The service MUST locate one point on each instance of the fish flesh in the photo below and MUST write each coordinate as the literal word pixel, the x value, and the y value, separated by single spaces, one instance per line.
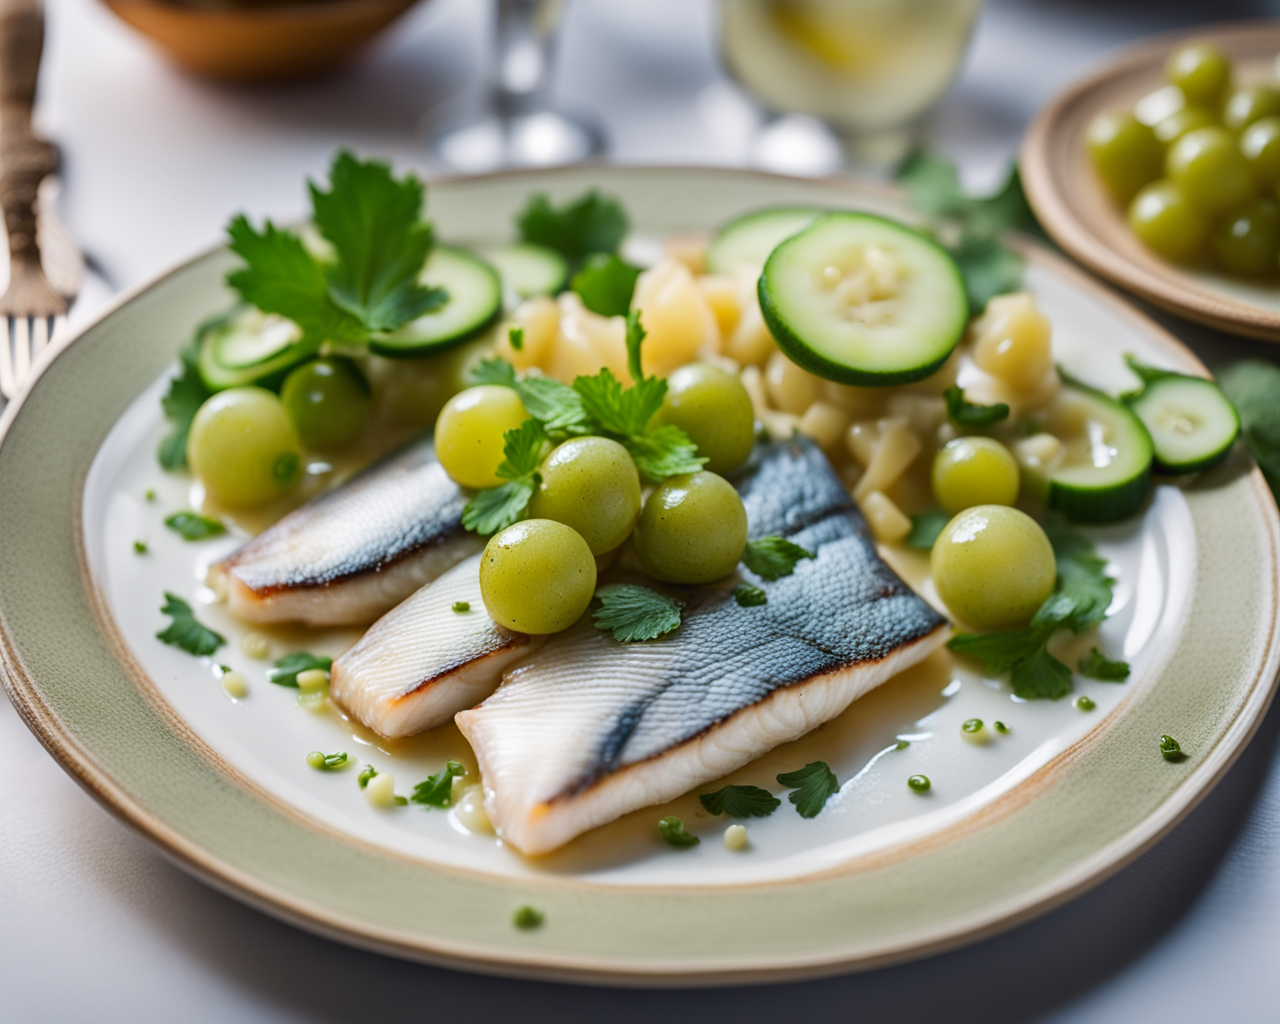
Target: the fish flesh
pixel 422 661
pixel 589 729
pixel 351 554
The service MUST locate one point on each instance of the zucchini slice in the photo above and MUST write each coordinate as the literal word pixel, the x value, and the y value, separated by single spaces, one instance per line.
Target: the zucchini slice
pixel 1106 469
pixel 748 240
pixel 862 300
pixel 1191 422
pixel 529 269
pixel 249 347
pixel 473 306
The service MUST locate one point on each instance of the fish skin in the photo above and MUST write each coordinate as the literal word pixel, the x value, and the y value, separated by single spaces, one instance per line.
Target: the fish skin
pixel 590 729
pixel 355 552
pixel 422 662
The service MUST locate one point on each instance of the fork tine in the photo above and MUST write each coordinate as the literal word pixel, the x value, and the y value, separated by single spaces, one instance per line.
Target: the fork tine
pixel 41 327
pixel 21 349
pixel 8 386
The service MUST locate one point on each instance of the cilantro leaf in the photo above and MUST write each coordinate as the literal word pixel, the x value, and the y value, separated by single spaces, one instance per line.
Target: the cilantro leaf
pixel 592 223
pixel 741 802
pixel 191 526
pixel 605 283
pixel 181 402
pixel 1081 577
pixel 633 613
pixel 925 529
pixel 1096 665
pixel 813 786
pixel 999 652
pixel 184 631
pixel 771 558
pixel 1040 677
pixel 666 451
pixel 523 447
pixel 967 414
pixel 672 830
pixel 557 405
pixel 497 508
pixel 286 669
pixel 748 596
pixel 437 791
pixel 1253 386
pixel 619 410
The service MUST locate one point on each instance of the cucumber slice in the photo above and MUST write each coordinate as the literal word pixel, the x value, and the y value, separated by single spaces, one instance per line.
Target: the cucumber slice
pixel 1191 422
pixel 529 269
pixel 1106 471
pixel 249 347
pixel 473 306
pixel 862 300
pixel 748 240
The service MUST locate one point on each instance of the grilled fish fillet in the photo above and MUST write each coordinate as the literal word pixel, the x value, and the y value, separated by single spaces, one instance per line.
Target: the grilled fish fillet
pixel 354 552
pixel 589 729
pixel 422 661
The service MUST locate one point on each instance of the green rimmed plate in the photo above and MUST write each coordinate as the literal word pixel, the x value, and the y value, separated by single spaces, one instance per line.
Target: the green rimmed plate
pixel 1008 831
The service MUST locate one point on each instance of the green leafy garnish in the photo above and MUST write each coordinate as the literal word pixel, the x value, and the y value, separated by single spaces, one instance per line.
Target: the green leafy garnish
pixel 925 530
pixel 437 791
pixel 461 606
pixel 1171 749
pixel 497 508
pixel 285 671
pixel 590 224
pixel 184 631
pixel 741 802
pixel 813 786
pixel 1254 389
pixel 634 613
pixel 321 761
pixel 140 547
pixel 605 284
pixel 1096 665
pixel 988 268
pixel 192 526
pixel 902 745
pixel 771 558
pixel 366 775
pixel 748 596
pixel 180 404
pixel 527 917
pixel 672 830
pixel 967 414
pixel 515 337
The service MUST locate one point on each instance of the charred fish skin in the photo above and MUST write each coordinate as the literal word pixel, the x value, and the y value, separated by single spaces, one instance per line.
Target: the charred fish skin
pixel 355 552
pixel 591 729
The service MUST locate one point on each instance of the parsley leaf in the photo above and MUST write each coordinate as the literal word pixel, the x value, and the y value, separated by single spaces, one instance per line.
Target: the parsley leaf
pixel 184 631
pixel 741 802
pixel 1081 577
pixel 494 371
pixel 286 669
pixel 557 405
pixel 180 404
pixel 999 652
pixel 925 529
pixel 967 414
pixel 1040 677
pixel 771 558
pixel 813 786
pixel 672 830
pixel 748 596
pixel 619 410
pixel 592 223
pixel 666 451
pixel 437 791
pixel 605 283
pixel 1253 387
pixel 633 613
pixel 523 447
pixel 497 508
pixel 1097 665
pixel 191 526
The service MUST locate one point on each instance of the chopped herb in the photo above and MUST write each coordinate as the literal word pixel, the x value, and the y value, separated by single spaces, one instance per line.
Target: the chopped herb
pixel 919 783
pixel 1000 727
pixel 972 726
pixel 192 526
pixel 437 791
pixel 634 613
pixel 285 671
pixel 516 337
pixel 180 404
pixel 461 606
pixel 605 284
pixel 925 530
pixel 590 224
pixel 140 547
pixel 497 508
pixel 966 414
pixel 366 775
pixel 901 745
pixel 748 596
pixel 1085 703
pixel 184 631
pixel 672 830
pixel 814 785
pixel 149 494
pixel 1096 665
pixel 526 918
pixel 318 759
pixel 1171 749
pixel 741 802
pixel 1253 387
pixel 771 558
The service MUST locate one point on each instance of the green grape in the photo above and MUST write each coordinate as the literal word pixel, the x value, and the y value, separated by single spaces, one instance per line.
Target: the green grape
pixel 469 433
pixel 974 471
pixel 692 529
pixel 243 447
pixel 1166 222
pixel 1125 153
pixel 714 409
pixel 537 576
pixel 1260 144
pixel 1247 240
pixel 1209 167
pixel 993 567
pixel 1250 104
pixel 1201 71
pixel 328 400
pixel 590 484
pixel 1177 124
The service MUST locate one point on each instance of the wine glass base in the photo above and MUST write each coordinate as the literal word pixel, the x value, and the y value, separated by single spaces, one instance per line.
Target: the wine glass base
pixel 805 146
pixel 542 139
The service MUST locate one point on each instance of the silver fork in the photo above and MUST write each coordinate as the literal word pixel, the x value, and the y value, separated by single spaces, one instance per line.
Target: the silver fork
pixel 32 312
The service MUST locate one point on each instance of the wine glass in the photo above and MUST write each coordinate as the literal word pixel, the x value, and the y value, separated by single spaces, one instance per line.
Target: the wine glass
pixel 520 128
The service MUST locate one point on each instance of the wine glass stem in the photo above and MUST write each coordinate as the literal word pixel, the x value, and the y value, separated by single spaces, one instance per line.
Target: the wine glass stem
pixel 525 39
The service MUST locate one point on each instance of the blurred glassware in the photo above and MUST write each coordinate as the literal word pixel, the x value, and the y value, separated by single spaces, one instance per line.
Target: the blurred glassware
pixel 520 128
pixel 869 69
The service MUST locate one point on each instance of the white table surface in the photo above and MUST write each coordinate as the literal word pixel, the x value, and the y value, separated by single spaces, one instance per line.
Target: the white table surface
pixel 95 925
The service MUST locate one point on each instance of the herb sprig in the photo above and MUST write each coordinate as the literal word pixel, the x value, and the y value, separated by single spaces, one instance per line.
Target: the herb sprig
pixel 184 631
pixel 634 613
pixel 437 791
pixel 813 785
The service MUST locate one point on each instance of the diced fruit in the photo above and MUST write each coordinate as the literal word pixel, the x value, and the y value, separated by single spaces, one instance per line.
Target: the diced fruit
pixel 591 485
pixel 469 433
pixel 537 576
pixel 714 409
pixel 1012 341
pixel 243 447
pixel 692 529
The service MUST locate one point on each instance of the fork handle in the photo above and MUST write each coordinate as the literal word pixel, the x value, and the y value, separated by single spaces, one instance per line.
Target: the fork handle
pixel 21 43
pixel 25 159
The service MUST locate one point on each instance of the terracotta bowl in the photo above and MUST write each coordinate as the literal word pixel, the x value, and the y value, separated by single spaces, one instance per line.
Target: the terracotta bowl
pixel 260 44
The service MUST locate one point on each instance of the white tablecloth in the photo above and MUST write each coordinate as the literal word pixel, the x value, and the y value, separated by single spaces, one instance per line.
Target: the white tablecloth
pixel 95 925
